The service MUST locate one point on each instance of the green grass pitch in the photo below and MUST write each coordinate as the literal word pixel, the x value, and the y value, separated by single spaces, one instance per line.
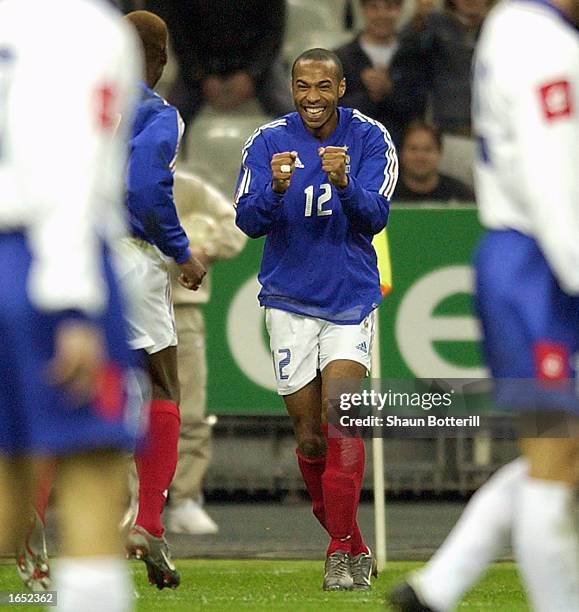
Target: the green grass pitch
pixel 249 584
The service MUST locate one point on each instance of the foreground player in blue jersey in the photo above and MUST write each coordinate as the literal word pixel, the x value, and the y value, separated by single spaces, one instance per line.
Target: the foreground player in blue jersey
pixel 65 364
pixel 526 119
pixel 317 183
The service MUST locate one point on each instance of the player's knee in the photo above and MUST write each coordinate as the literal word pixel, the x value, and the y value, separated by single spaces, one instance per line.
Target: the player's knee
pixel 165 389
pixel 312 446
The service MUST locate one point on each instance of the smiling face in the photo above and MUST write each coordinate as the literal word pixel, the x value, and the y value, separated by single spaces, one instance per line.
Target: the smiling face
pixel 316 88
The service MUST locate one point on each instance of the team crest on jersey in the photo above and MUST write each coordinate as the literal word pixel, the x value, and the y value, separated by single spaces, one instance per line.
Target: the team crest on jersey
pixel 105 103
pixel 556 100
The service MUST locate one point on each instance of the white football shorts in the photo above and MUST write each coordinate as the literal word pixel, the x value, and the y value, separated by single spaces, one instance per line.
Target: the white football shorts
pixel 144 275
pixel 301 346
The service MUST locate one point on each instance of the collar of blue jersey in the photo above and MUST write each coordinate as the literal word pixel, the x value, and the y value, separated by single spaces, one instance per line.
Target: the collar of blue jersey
pixel 556 10
pixel 331 140
pixel 146 89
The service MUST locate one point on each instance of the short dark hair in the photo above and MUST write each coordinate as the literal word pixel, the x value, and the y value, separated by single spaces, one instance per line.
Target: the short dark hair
pixel 418 125
pixel 320 55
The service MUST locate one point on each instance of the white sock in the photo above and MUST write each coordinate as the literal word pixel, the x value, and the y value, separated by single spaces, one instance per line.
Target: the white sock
pixel 546 544
pixel 93 584
pixel 475 541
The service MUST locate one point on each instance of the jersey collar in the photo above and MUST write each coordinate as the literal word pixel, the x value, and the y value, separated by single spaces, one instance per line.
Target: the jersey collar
pixel 334 138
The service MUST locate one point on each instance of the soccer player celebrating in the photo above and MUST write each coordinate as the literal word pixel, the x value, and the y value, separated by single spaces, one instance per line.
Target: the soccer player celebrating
pixel 156 235
pixel 317 183
pixel 526 118
pixel 68 68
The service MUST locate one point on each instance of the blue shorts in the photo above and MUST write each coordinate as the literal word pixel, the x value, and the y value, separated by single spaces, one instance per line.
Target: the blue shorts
pixel 37 417
pixel 530 325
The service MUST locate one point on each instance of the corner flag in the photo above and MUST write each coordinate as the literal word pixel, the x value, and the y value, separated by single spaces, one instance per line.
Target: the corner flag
pixel 382 249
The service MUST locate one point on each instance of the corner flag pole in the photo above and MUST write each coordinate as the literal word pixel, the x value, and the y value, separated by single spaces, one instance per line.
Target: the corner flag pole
pixel 381 246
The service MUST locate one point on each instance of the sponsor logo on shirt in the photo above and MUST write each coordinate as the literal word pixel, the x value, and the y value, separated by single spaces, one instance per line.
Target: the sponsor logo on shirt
pixel 556 100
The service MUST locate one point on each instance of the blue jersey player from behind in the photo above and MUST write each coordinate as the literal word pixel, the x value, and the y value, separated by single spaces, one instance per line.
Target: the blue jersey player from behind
pixel 317 184
pixel 66 372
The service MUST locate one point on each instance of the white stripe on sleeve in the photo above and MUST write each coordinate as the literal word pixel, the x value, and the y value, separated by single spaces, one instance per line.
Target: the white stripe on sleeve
pixel 391 167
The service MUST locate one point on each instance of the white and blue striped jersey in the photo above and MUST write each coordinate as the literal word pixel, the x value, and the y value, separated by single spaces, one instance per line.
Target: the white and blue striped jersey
pixel 68 70
pixel 526 119
pixel 318 258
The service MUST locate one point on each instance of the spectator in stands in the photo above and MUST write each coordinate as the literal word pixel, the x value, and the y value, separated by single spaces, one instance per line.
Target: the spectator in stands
pixel 420 179
pixel 366 62
pixel 209 219
pixel 433 60
pixel 228 53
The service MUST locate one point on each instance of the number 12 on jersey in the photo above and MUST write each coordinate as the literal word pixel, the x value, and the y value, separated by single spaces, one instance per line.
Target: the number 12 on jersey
pixel 325 196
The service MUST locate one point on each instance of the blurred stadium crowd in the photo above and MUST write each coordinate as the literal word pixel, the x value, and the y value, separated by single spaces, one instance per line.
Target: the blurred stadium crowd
pixel 404 60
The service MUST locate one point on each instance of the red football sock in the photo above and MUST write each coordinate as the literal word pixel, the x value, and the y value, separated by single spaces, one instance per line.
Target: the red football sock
pixel 156 464
pixel 358 544
pixel 312 469
pixel 341 484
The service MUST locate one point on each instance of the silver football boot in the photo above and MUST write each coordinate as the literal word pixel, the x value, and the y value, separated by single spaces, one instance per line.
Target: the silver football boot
pixel 337 574
pixel 363 567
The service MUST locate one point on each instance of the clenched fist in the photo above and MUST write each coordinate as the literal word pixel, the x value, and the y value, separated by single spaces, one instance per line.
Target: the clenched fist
pixel 282 168
pixel 192 273
pixel 334 163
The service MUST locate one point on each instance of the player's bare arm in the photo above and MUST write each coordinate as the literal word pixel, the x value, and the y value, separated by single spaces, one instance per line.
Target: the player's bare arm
pixel 334 163
pixel 192 273
pixel 282 168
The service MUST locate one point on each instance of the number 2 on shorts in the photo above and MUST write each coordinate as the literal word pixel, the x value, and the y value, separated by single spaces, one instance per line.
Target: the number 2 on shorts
pixel 284 362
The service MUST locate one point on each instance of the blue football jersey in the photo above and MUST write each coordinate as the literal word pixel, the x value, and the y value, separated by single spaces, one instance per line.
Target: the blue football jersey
pixel 318 258
pixel 153 148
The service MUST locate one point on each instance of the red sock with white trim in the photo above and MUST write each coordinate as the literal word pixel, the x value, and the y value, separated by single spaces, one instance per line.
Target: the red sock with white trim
pixel 156 464
pixel 312 470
